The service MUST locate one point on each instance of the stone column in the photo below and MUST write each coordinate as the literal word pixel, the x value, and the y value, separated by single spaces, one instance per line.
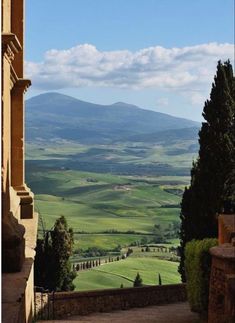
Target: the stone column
pixel 17 28
pixel 13 242
pixel 17 149
pixel 17 116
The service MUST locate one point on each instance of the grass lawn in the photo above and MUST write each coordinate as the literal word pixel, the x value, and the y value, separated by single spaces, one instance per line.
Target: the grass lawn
pixel 113 274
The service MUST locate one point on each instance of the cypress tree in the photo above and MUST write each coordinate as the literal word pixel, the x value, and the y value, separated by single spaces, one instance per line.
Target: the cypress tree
pixel 53 269
pixel 211 174
pixel 159 279
pixel 62 244
pixel 138 282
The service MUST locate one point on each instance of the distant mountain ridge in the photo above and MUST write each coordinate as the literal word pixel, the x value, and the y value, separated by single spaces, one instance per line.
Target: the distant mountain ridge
pixel 53 116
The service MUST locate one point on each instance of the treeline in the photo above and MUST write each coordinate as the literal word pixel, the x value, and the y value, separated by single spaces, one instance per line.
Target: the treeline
pixel 83 265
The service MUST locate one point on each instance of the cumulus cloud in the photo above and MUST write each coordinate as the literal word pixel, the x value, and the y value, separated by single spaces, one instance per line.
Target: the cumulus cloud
pixel 154 67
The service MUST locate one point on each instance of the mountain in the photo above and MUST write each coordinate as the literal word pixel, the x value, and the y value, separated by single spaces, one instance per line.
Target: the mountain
pixel 167 137
pixel 54 116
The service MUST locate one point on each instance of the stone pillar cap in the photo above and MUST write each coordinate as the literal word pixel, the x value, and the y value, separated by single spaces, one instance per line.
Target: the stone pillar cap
pixel 225 251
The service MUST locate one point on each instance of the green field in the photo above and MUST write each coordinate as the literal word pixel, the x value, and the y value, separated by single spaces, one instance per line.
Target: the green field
pixel 110 203
pixel 112 275
pixel 111 196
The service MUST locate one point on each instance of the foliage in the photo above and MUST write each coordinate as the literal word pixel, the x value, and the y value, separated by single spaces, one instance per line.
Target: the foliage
pixel 138 282
pixel 159 279
pixel 197 267
pixel 118 248
pixel 94 252
pixel 159 235
pixel 129 252
pixel 53 269
pixel 211 173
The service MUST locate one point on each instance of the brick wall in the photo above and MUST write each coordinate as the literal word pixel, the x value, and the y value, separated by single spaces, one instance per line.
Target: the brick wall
pixel 64 304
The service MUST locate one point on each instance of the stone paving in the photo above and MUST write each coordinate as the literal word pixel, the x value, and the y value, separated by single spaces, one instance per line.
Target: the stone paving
pixel 170 313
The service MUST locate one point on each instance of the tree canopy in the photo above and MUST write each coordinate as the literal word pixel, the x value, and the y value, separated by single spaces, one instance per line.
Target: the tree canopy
pixel 212 174
pixel 138 282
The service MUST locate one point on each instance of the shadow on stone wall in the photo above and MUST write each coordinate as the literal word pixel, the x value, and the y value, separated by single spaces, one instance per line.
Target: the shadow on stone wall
pixel 63 304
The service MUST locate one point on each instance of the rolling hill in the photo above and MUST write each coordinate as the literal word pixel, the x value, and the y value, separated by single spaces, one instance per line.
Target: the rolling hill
pixel 54 116
pixel 114 172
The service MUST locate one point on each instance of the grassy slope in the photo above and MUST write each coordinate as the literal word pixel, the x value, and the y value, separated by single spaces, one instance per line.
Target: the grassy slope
pixel 99 206
pixel 94 202
pixel 112 275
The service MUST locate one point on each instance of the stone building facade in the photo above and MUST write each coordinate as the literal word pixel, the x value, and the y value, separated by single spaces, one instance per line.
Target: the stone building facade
pixel 19 221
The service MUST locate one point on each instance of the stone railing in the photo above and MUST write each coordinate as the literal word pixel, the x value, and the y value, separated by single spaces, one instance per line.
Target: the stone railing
pixel 64 304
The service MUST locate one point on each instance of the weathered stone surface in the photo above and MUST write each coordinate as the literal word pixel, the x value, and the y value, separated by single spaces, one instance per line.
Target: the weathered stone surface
pixel 13 244
pixel 17 246
pixel 170 313
pixel 63 304
pixel 222 279
pixel 226 228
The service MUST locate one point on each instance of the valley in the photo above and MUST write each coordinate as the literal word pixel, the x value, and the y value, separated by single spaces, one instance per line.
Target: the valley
pixel 115 192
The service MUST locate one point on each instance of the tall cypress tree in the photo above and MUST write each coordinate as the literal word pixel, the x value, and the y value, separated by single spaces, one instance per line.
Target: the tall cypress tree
pixel 212 172
pixel 53 269
pixel 62 245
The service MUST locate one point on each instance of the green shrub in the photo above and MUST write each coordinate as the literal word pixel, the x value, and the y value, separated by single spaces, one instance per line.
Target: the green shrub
pixel 198 267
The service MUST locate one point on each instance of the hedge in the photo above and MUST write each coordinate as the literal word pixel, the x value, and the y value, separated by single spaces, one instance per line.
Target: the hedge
pixel 197 268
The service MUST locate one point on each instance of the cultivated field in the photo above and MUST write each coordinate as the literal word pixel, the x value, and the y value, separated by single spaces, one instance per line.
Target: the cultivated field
pixel 112 196
pixel 112 275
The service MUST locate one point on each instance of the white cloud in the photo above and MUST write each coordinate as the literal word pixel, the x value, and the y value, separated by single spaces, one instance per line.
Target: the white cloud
pixel 154 67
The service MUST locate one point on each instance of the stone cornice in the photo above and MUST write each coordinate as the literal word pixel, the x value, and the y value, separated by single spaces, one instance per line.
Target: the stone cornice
pixel 22 85
pixel 224 251
pixel 10 45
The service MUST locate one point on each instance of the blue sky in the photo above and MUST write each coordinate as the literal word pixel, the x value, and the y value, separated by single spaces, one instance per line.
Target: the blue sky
pixel 157 54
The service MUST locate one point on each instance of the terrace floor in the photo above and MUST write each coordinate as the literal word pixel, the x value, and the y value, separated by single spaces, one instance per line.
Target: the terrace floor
pixel 170 313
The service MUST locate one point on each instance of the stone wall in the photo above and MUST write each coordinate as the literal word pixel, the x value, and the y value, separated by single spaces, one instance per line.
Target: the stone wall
pixel 19 221
pixel 64 304
pixel 222 291
pixel 222 279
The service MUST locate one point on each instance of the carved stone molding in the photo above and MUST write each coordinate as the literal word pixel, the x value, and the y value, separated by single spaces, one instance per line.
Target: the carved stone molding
pixel 26 201
pixel 10 46
pixel 21 85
